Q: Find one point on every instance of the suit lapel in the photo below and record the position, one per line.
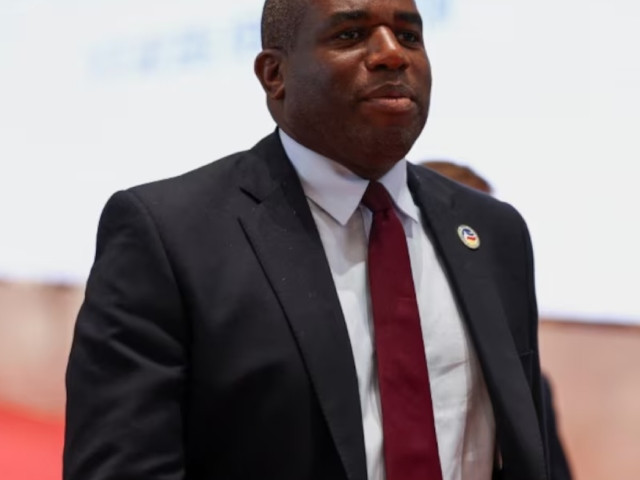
(284, 237)
(469, 272)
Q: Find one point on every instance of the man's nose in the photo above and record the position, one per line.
(385, 51)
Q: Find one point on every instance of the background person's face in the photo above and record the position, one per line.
(357, 82)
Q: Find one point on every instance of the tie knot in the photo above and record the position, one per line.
(376, 198)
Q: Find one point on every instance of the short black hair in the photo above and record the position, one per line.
(280, 23)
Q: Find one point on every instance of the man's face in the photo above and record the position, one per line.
(357, 82)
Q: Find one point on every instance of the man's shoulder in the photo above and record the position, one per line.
(213, 178)
(482, 208)
(215, 184)
(456, 192)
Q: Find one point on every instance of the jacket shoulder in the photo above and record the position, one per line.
(212, 181)
(478, 203)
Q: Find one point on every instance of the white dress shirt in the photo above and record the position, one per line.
(462, 409)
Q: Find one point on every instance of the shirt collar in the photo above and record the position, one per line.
(336, 189)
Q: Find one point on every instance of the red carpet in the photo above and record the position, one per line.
(30, 446)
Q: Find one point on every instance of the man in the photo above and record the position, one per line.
(250, 320)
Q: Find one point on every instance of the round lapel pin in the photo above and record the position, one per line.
(469, 237)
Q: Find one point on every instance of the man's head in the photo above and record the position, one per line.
(349, 79)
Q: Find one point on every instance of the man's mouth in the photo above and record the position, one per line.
(390, 98)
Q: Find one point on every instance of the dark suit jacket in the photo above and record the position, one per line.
(211, 343)
(559, 468)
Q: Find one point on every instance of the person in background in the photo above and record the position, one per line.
(558, 463)
(314, 307)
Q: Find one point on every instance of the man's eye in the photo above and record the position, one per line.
(349, 35)
(409, 37)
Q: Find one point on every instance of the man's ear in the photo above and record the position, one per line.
(269, 68)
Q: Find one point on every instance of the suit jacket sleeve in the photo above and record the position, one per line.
(126, 372)
(536, 379)
(558, 463)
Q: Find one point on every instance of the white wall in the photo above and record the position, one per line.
(540, 97)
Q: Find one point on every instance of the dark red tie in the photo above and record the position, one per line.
(410, 445)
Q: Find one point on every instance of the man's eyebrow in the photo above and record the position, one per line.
(346, 16)
(409, 17)
(355, 15)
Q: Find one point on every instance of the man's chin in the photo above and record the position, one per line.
(396, 135)
(389, 144)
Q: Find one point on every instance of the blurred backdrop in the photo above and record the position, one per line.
(541, 98)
